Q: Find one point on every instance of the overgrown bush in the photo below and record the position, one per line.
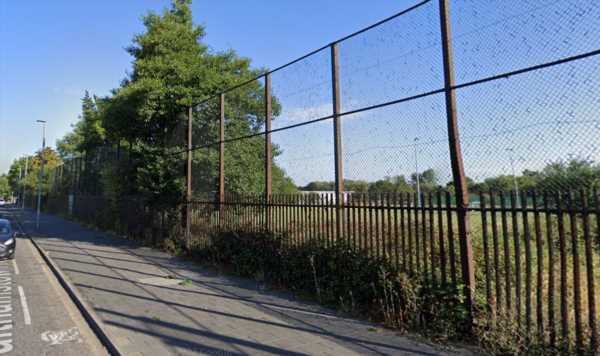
(341, 277)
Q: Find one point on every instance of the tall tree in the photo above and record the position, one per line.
(428, 180)
(173, 69)
(91, 128)
(70, 143)
(30, 181)
(5, 189)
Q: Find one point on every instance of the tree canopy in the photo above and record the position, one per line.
(5, 189)
(32, 164)
(146, 116)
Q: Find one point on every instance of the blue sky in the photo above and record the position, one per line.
(532, 119)
(53, 51)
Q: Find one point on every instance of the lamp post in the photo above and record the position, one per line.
(512, 167)
(417, 173)
(39, 197)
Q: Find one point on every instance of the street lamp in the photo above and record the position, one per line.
(39, 197)
(512, 167)
(417, 173)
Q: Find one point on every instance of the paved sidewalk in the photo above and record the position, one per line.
(37, 317)
(146, 312)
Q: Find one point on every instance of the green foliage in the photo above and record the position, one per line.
(33, 163)
(502, 335)
(319, 186)
(504, 183)
(92, 131)
(68, 145)
(572, 174)
(390, 184)
(5, 189)
(87, 134)
(341, 277)
(172, 70)
(282, 184)
(428, 180)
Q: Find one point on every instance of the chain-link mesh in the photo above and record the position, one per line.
(532, 126)
(536, 129)
(397, 59)
(492, 38)
(386, 147)
(301, 162)
(527, 81)
(244, 149)
(302, 91)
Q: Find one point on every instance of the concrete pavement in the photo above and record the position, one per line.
(36, 315)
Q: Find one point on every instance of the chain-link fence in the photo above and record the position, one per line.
(461, 144)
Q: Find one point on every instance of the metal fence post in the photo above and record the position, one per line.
(458, 172)
(268, 149)
(221, 154)
(337, 138)
(188, 198)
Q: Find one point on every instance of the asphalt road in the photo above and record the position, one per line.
(37, 317)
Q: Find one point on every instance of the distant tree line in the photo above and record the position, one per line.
(5, 189)
(567, 175)
(16, 178)
(427, 182)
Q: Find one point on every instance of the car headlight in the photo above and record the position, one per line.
(9, 241)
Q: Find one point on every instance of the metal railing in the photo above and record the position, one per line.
(395, 100)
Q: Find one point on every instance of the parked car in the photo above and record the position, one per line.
(8, 241)
(2, 202)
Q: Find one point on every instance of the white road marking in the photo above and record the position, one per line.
(16, 268)
(26, 314)
(6, 323)
(62, 336)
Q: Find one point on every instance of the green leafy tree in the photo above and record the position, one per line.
(390, 185)
(357, 186)
(30, 181)
(91, 129)
(381, 186)
(570, 175)
(5, 189)
(428, 180)
(68, 146)
(319, 186)
(172, 70)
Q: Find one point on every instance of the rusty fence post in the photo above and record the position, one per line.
(337, 138)
(268, 151)
(458, 172)
(188, 198)
(221, 155)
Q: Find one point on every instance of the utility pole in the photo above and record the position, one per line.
(39, 197)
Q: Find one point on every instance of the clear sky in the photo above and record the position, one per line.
(53, 50)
